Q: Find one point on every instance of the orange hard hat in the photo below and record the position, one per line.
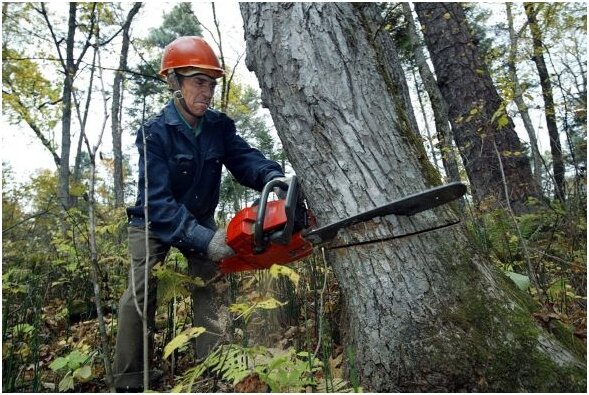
(191, 51)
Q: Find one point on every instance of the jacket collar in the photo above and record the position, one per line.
(172, 117)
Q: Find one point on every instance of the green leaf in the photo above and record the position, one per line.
(77, 190)
(173, 284)
(522, 282)
(22, 329)
(59, 363)
(76, 359)
(182, 339)
(503, 121)
(562, 288)
(67, 383)
(83, 374)
(278, 361)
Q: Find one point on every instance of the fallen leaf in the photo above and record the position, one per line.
(251, 383)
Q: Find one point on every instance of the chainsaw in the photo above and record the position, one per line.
(284, 231)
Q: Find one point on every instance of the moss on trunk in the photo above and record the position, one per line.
(425, 312)
(497, 345)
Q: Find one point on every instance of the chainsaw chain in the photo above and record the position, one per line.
(393, 237)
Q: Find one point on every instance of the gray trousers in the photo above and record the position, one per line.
(128, 360)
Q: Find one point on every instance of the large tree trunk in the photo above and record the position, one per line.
(425, 312)
(437, 101)
(400, 86)
(119, 179)
(482, 130)
(549, 109)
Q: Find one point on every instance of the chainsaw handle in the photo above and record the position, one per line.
(283, 236)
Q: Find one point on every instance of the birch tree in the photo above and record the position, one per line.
(427, 312)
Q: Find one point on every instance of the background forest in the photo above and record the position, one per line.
(64, 253)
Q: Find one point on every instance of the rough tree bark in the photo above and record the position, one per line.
(69, 71)
(425, 312)
(549, 108)
(439, 107)
(116, 129)
(478, 118)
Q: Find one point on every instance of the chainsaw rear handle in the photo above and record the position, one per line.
(282, 236)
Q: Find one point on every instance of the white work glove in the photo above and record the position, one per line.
(218, 248)
(280, 193)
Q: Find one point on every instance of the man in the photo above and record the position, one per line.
(186, 145)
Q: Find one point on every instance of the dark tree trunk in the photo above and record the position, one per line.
(426, 313)
(438, 104)
(549, 109)
(116, 127)
(482, 130)
(66, 118)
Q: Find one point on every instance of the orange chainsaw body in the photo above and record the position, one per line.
(271, 232)
(240, 237)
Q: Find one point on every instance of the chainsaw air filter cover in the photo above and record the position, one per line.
(240, 237)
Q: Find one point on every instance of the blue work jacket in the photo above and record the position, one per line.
(184, 175)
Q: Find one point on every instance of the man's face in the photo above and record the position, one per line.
(198, 90)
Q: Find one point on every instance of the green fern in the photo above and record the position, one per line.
(289, 372)
(336, 385)
(229, 361)
(171, 284)
(283, 371)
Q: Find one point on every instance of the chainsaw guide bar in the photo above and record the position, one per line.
(406, 206)
(281, 231)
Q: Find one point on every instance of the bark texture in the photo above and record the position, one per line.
(439, 107)
(549, 108)
(478, 119)
(66, 118)
(425, 313)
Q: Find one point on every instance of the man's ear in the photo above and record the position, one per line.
(174, 82)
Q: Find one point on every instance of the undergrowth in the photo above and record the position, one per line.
(284, 328)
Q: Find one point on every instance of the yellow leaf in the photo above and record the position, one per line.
(335, 366)
(182, 339)
(67, 383)
(447, 16)
(278, 270)
(502, 121)
(77, 190)
(238, 308)
(83, 374)
(270, 304)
